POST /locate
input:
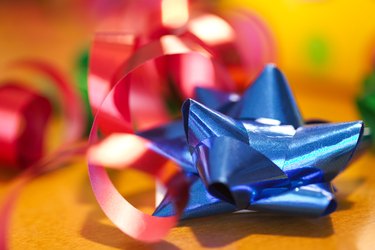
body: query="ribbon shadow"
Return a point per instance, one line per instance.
(97, 228)
(213, 233)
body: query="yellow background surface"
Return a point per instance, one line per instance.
(324, 39)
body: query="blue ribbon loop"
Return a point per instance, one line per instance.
(254, 152)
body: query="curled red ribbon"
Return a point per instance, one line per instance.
(114, 117)
(25, 115)
(132, 78)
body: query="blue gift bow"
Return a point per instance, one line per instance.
(255, 152)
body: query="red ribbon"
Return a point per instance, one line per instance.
(25, 115)
(128, 90)
(131, 76)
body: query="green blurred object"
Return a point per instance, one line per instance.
(318, 51)
(366, 104)
(81, 78)
(173, 99)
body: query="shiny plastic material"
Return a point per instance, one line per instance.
(258, 162)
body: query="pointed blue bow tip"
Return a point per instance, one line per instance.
(271, 67)
(268, 97)
(201, 123)
(327, 147)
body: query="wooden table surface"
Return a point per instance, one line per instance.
(58, 210)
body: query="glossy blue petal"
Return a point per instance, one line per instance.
(310, 200)
(201, 123)
(268, 97)
(170, 141)
(271, 141)
(325, 148)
